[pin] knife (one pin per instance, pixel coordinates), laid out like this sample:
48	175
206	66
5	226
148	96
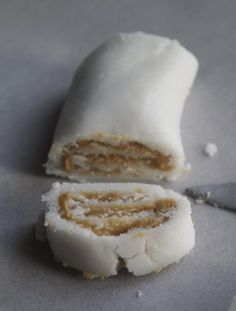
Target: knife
221	195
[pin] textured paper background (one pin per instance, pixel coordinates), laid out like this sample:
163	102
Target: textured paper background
41	43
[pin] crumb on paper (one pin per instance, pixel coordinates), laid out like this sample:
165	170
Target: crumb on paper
139	293
210	150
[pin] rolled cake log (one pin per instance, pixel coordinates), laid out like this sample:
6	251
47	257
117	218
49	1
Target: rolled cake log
121	120
100	228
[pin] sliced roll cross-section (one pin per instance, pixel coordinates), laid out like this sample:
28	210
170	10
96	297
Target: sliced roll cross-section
127	158
100	228
121	120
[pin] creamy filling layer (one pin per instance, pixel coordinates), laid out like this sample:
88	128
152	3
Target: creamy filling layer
114	213
99	158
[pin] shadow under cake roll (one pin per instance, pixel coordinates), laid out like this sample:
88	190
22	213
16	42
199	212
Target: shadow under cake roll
100	228
121	119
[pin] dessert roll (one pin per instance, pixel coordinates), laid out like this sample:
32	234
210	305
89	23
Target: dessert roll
121	120
100	228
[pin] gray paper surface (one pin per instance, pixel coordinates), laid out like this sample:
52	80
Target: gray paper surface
41	43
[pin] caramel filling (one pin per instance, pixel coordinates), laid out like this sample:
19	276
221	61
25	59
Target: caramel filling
97	157
112	196
114	217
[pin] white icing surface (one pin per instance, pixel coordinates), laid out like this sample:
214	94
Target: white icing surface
134	87
150	251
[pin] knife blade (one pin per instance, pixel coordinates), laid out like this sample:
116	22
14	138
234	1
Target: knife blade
219	195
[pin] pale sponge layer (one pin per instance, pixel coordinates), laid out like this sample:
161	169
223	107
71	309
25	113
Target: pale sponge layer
121	120
100	228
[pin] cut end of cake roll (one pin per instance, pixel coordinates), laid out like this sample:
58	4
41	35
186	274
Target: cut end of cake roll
121	120
101	228
112	158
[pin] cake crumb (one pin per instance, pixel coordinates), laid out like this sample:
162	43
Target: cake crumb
210	150
139	293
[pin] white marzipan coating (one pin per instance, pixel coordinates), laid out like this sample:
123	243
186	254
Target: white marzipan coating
133	87
153	250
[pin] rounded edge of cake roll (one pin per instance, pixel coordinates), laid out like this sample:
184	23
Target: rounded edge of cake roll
107	99
140	250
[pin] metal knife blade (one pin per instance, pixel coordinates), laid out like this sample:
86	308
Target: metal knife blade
221	195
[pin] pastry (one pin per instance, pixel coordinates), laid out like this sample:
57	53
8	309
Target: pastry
121	120
99	228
